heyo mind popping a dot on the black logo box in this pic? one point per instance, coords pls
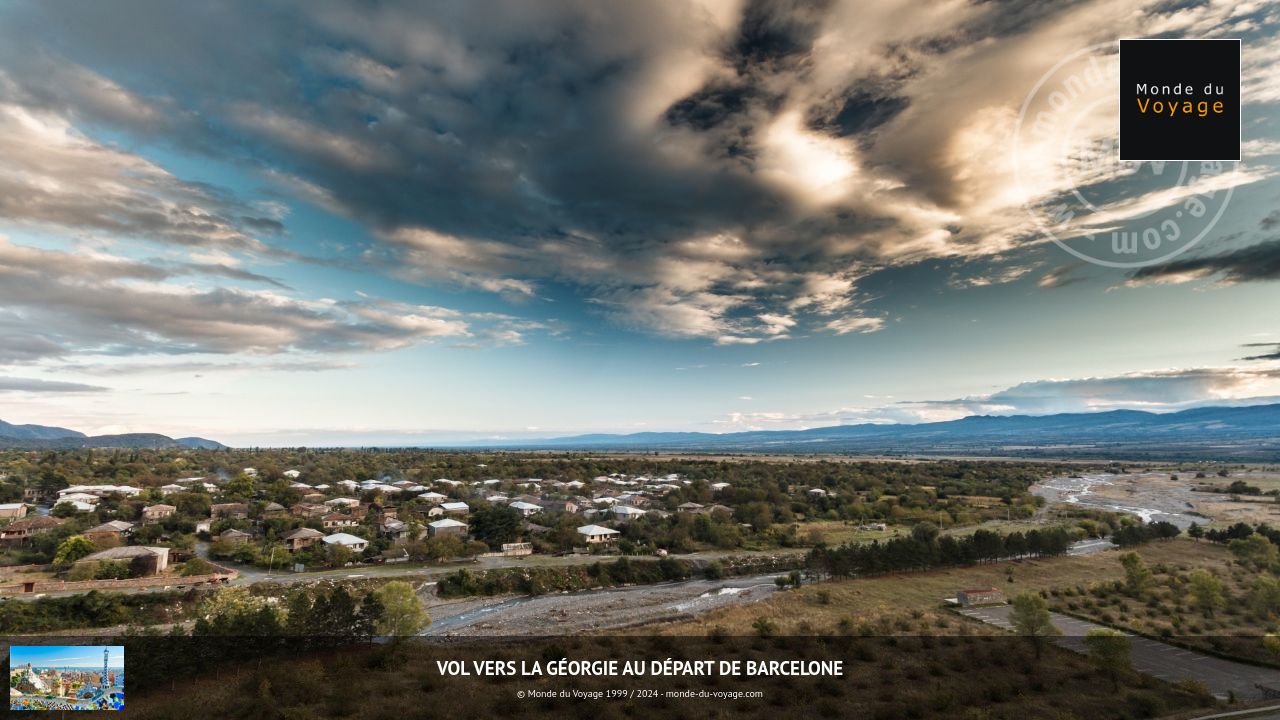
(1185, 67)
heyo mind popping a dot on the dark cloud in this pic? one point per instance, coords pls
(33, 385)
(1247, 264)
(1272, 353)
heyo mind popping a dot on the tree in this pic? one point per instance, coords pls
(72, 549)
(495, 525)
(338, 554)
(1195, 531)
(1206, 591)
(1255, 552)
(1031, 619)
(1265, 597)
(1109, 653)
(1137, 576)
(925, 532)
(403, 612)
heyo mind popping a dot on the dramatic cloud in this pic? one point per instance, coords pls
(97, 304)
(718, 169)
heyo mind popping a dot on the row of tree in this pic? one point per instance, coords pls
(923, 550)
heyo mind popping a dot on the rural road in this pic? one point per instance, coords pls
(1150, 657)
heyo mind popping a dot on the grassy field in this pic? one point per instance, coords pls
(915, 599)
(1167, 609)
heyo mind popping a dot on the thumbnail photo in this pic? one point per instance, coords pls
(66, 677)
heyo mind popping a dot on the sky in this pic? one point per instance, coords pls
(326, 222)
(83, 656)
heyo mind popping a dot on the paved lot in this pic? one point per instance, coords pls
(1166, 662)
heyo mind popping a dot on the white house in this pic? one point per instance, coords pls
(357, 544)
(292, 474)
(626, 513)
(526, 508)
(455, 508)
(171, 488)
(342, 502)
(594, 534)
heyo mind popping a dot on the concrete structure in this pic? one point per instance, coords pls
(152, 560)
(13, 511)
(980, 596)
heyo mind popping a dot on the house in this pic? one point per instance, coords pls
(980, 596)
(13, 510)
(525, 508)
(337, 520)
(20, 530)
(356, 544)
(455, 508)
(171, 488)
(292, 474)
(596, 534)
(717, 487)
(229, 510)
(308, 510)
(301, 538)
(447, 526)
(626, 513)
(395, 530)
(81, 498)
(274, 510)
(342, 502)
(114, 530)
(234, 537)
(434, 498)
(561, 506)
(100, 490)
(149, 560)
(817, 492)
(689, 507)
(152, 513)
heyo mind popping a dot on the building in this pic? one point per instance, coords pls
(13, 511)
(149, 560)
(689, 507)
(356, 544)
(100, 490)
(525, 508)
(171, 488)
(229, 510)
(626, 513)
(596, 534)
(561, 506)
(308, 510)
(302, 538)
(337, 520)
(274, 510)
(447, 526)
(20, 530)
(455, 508)
(231, 536)
(980, 596)
(152, 513)
(116, 530)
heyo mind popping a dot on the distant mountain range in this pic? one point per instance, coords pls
(41, 437)
(1209, 433)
